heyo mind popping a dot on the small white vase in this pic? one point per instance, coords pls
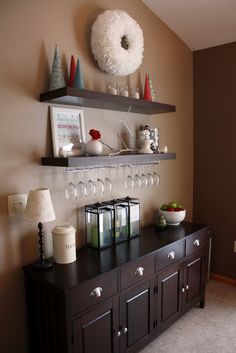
(145, 146)
(93, 147)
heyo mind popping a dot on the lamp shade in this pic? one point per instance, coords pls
(39, 206)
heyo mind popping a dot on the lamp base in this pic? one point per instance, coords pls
(43, 265)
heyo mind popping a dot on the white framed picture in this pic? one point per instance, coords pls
(68, 131)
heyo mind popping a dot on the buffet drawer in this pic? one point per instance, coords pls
(93, 291)
(136, 271)
(196, 241)
(170, 254)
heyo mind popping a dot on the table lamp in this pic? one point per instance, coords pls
(39, 208)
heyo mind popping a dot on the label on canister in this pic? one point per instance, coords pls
(64, 244)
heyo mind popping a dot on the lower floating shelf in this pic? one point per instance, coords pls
(106, 161)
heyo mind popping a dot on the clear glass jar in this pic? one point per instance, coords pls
(120, 220)
(133, 216)
(99, 226)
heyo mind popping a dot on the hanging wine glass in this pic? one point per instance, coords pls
(108, 184)
(90, 187)
(99, 184)
(149, 178)
(129, 180)
(80, 187)
(71, 191)
(143, 178)
(156, 177)
(100, 187)
(137, 180)
(80, 190)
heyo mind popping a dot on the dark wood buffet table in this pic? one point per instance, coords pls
(120, 298)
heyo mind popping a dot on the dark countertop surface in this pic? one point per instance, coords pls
(92, 262)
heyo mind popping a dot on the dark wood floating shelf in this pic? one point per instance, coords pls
(100, 100)
(93, 161)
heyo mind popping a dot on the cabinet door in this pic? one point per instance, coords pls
(170, 295)
(194, 278)
(137, 316)
(95, 331)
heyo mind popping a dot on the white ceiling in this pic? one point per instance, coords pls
(199, 23)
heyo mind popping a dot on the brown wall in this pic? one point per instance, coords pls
(214, 151)
(29, 31)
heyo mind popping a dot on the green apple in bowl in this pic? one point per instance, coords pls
(173, 204)
(164, 207)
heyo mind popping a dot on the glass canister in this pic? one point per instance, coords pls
(64, 244)
(133, 216)
(120, 220)
(98, 219)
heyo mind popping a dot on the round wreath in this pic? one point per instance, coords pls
(117, 43)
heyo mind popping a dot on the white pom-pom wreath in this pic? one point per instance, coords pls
(117, 43)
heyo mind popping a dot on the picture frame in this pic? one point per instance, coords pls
(68, 131)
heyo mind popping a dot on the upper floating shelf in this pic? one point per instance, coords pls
(100, 100)
(98, 161)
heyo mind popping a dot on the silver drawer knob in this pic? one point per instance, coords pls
(139, 271)
(183, 290)
(125, 330)
(196, 242)
(96, 292)
(187, 287)
(118, 334)
(171, 255)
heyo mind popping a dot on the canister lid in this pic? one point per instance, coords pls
(64, 228)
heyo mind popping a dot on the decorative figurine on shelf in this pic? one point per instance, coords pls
(94, 147)
(151, 88)
(134, 93)
(124, 91)
(144, 140)
(70, 150)
(57, 78)
(147, 92)
(154, 135)
(72, 71)
(78, 81)
(163, 149)
(112, 88)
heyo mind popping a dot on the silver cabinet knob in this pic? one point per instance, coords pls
(196, 242)
(139, 271)
(171, 255)
(187, 287)
(96, 292)
(118, 334)
(183, 290)
(125, 330)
